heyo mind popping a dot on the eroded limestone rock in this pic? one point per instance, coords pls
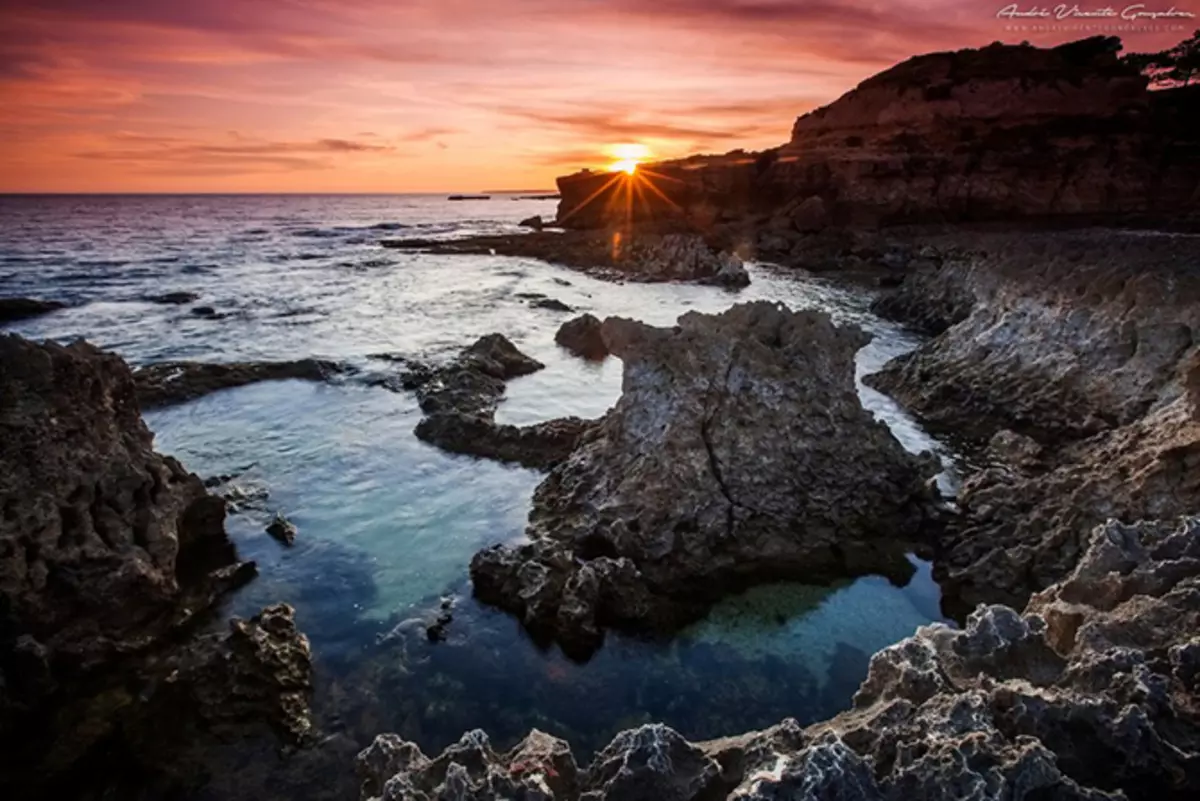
(738, 452)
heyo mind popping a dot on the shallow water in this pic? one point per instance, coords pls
(388, 524)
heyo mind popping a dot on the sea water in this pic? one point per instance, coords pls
(387, 524)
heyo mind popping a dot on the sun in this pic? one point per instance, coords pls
(627, 157)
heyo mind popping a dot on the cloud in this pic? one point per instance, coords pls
(152, 153)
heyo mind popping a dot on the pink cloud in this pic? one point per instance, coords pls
(479, 91)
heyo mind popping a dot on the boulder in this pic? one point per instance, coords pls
(13, 309)
(1090, 695)
(535, 222)
(738, 452)
(282, 529)
(731, 274)
(581, 336)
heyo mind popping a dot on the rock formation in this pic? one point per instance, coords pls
(738, 452)
(582, 337)
(460, 399)
(110, 556)
(643, 254)
(1071, 354)
(13, 309)
(1002, 132)
(168, 383)
(1091, 694)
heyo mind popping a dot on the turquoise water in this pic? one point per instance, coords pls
(388, 524)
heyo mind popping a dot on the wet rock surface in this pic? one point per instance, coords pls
(738, 453)
(582, 337)
(168, 383)
(645, 254)
(1091, 694)
(111, 558)
(13, 309)
(460, 400)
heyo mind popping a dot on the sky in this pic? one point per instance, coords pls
(438, 95)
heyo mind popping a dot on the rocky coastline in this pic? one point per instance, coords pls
(113, 559)
(1062, 353)
(738, 453)
(1066, 358)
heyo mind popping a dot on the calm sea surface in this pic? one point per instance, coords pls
(388, 524)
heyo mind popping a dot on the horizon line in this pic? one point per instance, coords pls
(277, 194)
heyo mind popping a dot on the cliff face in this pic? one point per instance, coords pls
(1003, 132)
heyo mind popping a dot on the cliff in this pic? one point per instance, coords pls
(1003, 132)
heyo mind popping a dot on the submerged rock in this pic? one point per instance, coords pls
(738, 453)
(551, 304)
(167, 383)
(582, 337)
(1091, 694)
(175, 298)
(13, 309)
(460, 399)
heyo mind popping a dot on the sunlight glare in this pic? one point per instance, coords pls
(627, 157)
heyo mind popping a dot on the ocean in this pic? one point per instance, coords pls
(387, 524)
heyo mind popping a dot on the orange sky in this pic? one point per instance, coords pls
(433, 95)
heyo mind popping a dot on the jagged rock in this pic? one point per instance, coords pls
(167, 383)
(1123, 307)
(460, 399)
(1013, 448)
(1098, 416)
(282, 529)
(738, 452)
(731, 274)
(1088, 696)
(582, 337)
(540, 445)
(259, 671)
(13, 309)
(110, 556)
(534, 222)
(97, 527)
